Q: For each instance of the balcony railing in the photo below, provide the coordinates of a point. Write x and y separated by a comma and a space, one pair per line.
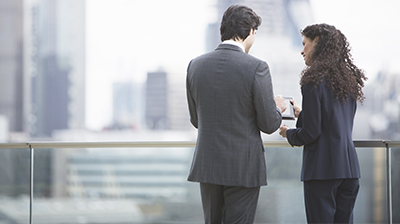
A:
381, 145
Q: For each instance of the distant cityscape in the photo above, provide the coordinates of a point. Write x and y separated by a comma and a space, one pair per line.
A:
43, 73
42, 97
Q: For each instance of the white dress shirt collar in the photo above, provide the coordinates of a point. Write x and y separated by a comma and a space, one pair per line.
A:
234, 43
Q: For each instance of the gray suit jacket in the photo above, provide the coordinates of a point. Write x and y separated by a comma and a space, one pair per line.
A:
230, 99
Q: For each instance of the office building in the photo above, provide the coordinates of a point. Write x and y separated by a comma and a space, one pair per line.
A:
157, 100
128, 106
58, 66
13, 79
166, 105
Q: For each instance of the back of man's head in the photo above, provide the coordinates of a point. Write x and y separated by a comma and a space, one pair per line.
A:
237, 22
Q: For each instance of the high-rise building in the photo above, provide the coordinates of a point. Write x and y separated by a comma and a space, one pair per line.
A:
157, 100
178, 112
381, 108
58, 66
166, 106
12, 76
128, 105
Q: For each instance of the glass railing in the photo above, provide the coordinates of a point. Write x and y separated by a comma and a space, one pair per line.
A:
145, 182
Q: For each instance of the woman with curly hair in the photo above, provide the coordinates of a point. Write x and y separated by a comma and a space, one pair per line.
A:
331, 85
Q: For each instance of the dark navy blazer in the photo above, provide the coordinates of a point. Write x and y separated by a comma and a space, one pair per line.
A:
325, 127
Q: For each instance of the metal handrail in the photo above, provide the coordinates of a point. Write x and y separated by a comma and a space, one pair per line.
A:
387, 144
165, 144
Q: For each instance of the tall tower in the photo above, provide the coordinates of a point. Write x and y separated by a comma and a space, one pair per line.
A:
128, 103
58, 73
12, 78
166, 105
157, 100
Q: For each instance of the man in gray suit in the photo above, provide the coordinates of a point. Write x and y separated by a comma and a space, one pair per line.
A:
230, 101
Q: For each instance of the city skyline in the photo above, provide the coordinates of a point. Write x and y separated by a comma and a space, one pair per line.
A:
121, 48
135, 57
363, 22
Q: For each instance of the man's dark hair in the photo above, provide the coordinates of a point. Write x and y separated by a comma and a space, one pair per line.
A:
237, 22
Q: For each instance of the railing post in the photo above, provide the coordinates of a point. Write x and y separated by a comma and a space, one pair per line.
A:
389, 182
31, 183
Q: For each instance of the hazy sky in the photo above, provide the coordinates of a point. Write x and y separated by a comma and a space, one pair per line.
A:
128, 38
371, 26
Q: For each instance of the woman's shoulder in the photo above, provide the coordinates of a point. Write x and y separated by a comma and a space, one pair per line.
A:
315, 87
314, 81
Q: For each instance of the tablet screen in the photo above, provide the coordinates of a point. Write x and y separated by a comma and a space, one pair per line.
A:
289, 112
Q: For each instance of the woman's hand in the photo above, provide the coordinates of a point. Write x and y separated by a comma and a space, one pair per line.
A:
296, 108
282, 130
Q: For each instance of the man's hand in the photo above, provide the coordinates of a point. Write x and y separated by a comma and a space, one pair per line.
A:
280, 103
282, 130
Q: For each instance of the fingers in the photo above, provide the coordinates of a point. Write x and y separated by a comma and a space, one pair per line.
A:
296, 108
282, 130
280, 102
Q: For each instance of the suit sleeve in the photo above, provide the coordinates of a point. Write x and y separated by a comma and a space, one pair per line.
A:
309, 126
191, 101
299, 122
269, 117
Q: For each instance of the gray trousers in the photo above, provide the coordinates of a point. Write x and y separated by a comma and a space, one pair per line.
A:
228, 204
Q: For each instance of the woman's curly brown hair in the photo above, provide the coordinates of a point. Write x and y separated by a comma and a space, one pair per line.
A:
331, 59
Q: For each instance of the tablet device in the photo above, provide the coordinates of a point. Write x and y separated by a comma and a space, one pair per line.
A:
289, 112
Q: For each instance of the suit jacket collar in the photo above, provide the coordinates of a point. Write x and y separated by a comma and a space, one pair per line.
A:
229, 47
